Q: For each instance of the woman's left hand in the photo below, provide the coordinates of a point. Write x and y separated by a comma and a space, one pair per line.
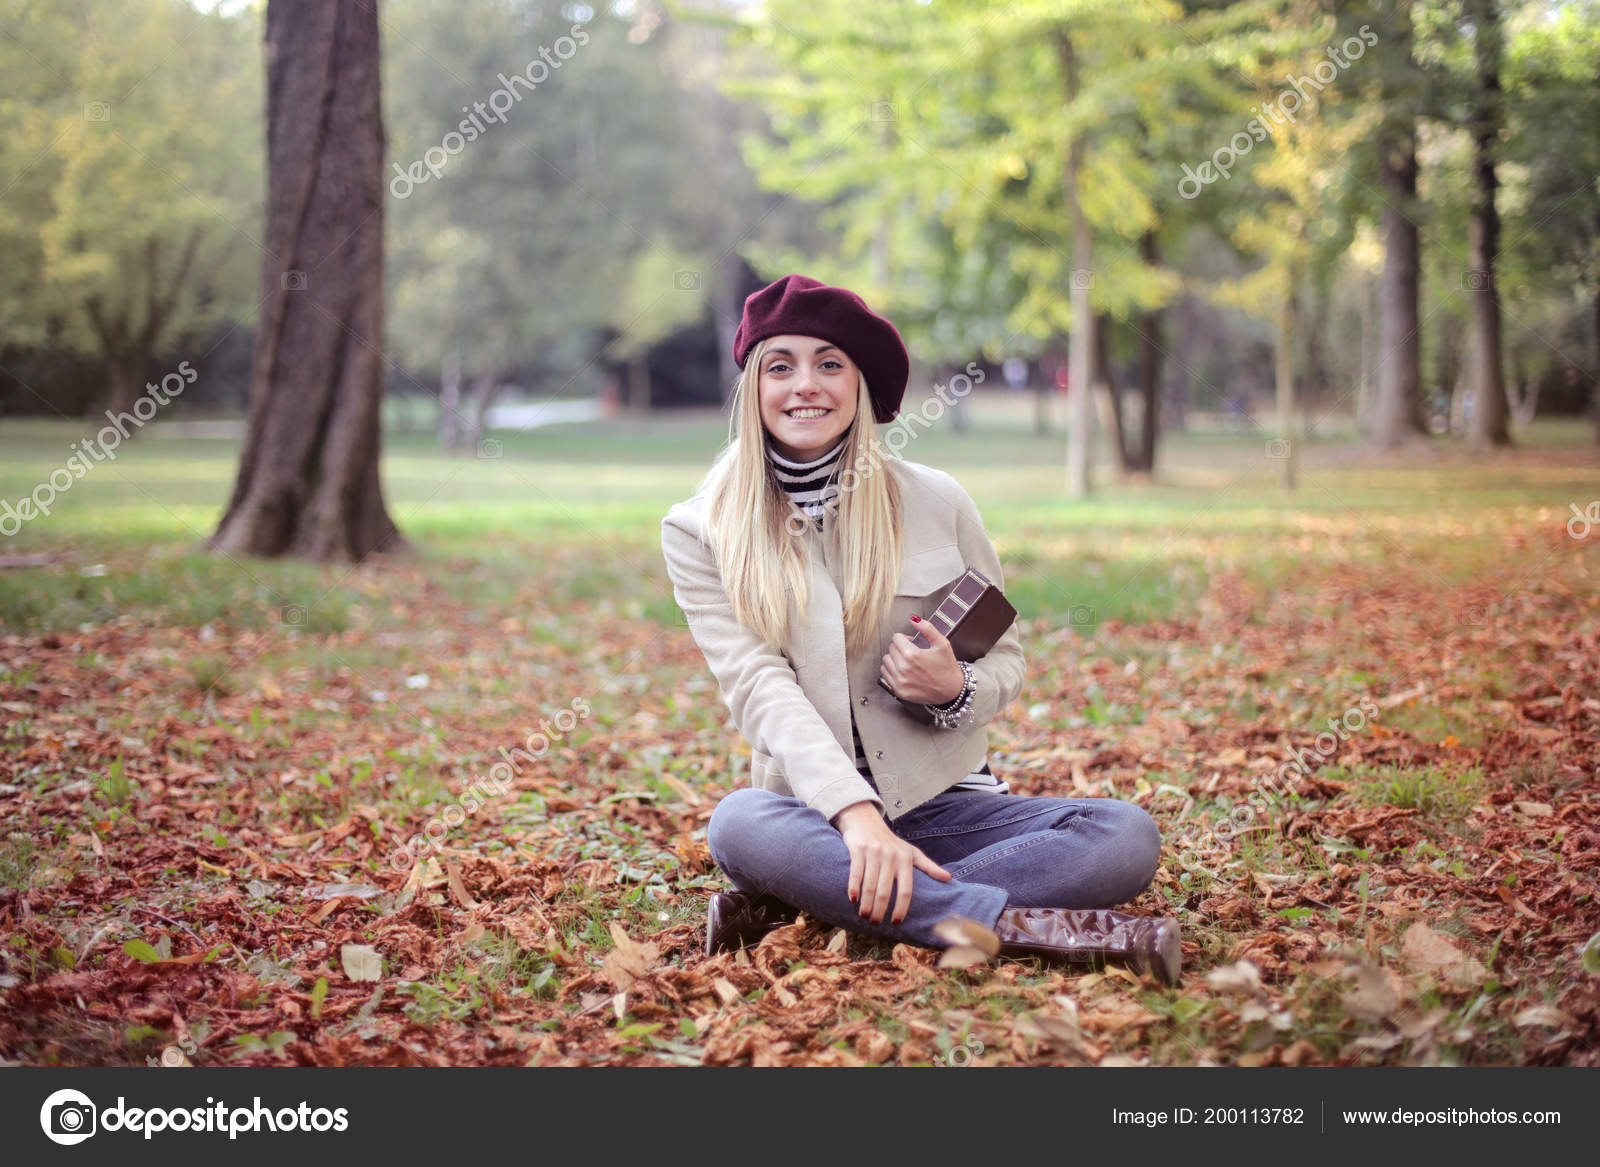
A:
930, 675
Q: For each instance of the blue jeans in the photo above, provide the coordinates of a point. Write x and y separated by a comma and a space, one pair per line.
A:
1001, 850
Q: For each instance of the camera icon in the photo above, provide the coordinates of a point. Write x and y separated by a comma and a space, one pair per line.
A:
491, 448
1082, 615
686, 281
1477, 280
67, 1117
882, 111
1082, 277
1278, 448
294, 281
97, 111
292, 616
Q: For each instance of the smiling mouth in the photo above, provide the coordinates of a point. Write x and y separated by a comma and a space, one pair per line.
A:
806, 412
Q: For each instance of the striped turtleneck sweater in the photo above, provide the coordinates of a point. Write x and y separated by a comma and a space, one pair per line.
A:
811, 485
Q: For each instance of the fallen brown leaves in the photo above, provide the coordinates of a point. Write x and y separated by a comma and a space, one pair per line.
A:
1341, 929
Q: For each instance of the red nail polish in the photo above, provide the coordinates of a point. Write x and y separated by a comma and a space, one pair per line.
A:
916, 619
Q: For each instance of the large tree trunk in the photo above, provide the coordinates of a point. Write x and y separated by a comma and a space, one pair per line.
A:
308, 479
1489, 422
1081, 341
1397, 408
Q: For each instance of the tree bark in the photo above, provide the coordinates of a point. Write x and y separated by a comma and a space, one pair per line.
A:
450, 402
1490, 426
484, 391
308, 478
1397, 408
1081, 340
1107, 393
1144, 460
639, 385
125, 386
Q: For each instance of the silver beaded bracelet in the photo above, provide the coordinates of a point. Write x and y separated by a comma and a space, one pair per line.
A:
949, 718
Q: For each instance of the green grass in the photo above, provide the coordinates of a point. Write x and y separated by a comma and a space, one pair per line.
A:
578, 507
1444, 798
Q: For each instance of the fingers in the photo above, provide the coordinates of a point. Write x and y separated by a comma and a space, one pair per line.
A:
854, 887
903, 879
930, 866
883, 895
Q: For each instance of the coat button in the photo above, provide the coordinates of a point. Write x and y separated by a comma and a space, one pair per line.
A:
879, 754
863, 700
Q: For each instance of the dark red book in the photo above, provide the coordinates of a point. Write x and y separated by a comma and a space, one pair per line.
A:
972, 617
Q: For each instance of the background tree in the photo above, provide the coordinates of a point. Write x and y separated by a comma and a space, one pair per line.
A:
308, 478
129, 222
1490, 426
1553, 58
1399, 91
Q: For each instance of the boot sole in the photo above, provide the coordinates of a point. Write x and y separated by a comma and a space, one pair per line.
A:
1168, 957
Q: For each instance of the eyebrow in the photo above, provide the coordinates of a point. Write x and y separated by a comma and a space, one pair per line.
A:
822, 348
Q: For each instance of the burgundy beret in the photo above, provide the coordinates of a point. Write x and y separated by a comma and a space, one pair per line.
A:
801, 306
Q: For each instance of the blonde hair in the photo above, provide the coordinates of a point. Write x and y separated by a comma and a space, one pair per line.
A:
751, 522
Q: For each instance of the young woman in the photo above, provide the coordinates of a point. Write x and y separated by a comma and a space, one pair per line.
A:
804, 562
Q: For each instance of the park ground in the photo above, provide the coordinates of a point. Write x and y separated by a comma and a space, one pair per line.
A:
208, 766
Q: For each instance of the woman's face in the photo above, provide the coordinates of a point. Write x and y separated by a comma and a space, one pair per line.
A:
808, 389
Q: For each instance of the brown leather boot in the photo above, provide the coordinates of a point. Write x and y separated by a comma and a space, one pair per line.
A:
1147, 943
735, 919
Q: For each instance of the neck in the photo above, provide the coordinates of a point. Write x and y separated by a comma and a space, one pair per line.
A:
812, 483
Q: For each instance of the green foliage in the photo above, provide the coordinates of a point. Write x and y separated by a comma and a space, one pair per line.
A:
134, 145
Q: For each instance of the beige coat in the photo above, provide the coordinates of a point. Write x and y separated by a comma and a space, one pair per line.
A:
794, 706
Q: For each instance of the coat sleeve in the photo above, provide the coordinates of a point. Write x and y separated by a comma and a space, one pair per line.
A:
999, 673
758, 684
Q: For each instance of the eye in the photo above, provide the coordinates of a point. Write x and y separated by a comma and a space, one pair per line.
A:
775, 366
835, 362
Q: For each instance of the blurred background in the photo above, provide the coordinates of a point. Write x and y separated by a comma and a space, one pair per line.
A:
583, 251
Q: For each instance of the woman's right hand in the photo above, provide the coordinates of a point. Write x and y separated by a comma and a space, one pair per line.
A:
880, 862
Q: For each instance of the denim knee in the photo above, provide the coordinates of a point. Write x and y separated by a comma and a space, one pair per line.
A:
737, 836
1140, 841
732, 818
